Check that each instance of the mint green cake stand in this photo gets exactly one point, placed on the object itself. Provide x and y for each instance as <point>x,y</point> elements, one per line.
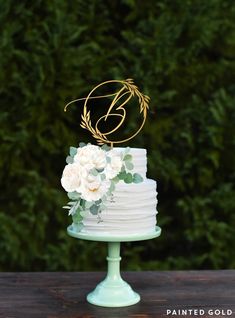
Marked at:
<point>113,291</point>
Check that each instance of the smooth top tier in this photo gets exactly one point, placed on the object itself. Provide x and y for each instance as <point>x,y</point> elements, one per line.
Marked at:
<point>139,159</point>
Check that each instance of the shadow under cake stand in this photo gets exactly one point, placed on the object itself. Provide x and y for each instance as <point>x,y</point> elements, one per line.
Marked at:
<point>113,291</point>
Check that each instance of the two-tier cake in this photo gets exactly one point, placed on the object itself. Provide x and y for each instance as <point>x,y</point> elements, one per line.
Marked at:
<point>109,191</point>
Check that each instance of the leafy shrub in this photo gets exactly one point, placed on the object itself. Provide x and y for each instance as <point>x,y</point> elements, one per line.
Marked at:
<point>181,53</point>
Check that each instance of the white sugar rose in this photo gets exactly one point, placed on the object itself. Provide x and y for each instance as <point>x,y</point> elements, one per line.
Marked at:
<point>90,157</point>
<point>94,188</point>
<point>72,178</point>
<point>114,167</point>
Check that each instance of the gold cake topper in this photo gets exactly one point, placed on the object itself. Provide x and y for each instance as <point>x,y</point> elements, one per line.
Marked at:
<point>130,90</point>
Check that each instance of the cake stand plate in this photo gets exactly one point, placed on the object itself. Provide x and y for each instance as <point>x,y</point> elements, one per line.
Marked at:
<point>113,291</point>
<point>113,238</point>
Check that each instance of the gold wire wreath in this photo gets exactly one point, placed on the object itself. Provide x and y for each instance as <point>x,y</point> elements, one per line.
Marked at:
<point>128,88</point>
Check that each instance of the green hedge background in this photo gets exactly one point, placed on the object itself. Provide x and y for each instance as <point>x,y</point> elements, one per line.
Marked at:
<point>182,54</point>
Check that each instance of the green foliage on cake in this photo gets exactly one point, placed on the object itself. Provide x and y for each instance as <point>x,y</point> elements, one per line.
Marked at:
<point>181,54</point>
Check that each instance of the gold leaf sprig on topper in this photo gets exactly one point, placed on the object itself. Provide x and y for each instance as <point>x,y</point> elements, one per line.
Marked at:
<point>130,90</point>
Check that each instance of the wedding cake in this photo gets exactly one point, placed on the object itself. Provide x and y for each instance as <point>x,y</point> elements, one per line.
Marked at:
<point>111,198</point>
<point>110,192</point>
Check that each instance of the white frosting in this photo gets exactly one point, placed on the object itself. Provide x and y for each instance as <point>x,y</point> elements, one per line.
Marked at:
<point>133,211</point>
<point>133,207</point>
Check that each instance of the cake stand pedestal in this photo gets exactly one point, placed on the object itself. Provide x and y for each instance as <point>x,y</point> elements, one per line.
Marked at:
<point>113,291</point>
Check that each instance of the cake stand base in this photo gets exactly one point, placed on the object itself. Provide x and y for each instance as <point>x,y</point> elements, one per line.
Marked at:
<point>107,294</point>
<point>113,291</point>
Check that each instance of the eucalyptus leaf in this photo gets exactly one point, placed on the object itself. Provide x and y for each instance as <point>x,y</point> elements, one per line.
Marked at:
<point>128,178</point>
<point>115,179</point>
<point>88,204</point>
<point>94,209</point>
<point>83,204</point>
<point>129,165</point>
<point>122,175</point>
<point>72,210</point>
<point>105,147</point>
<point>75,208</point>
<point>76,218</point>
<point>108,159</point>
<point>123,169</point>
<point>82,144</point>
<point>127,157</point>
<point>73,195</point>
<point>137,178</point>
<point>69,159</point>
<point>72,151</point>
<point>78,208</point>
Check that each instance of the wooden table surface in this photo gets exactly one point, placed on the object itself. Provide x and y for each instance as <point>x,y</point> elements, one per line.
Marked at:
<point>57,295</point>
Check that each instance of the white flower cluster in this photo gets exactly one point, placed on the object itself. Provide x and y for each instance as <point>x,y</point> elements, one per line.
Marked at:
<point>91,172</point>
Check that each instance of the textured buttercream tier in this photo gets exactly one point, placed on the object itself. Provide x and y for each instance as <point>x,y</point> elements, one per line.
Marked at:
<point>139,159</point>
<point>131,211</point>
